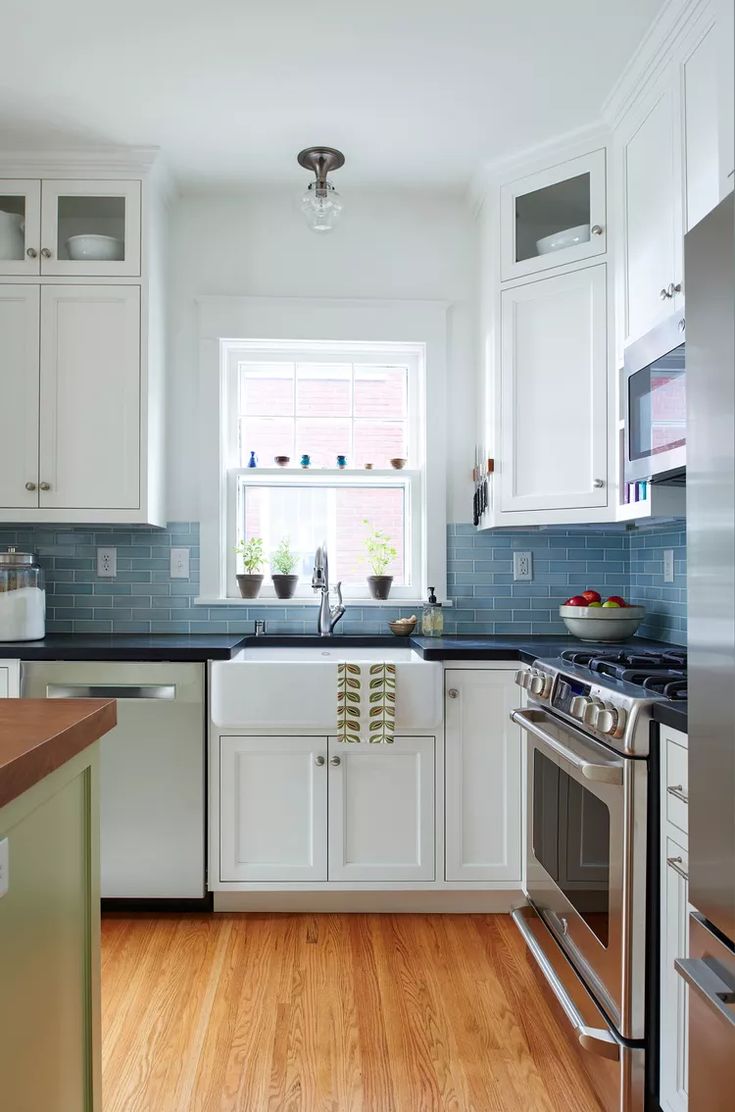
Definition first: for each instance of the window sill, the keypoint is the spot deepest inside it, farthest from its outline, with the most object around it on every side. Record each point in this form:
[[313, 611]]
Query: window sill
[[348, 602]]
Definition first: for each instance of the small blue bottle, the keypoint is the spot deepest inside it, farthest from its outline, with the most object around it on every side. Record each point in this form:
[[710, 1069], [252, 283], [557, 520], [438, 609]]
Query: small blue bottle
[[253, 461], [341, 462], [305, 461]]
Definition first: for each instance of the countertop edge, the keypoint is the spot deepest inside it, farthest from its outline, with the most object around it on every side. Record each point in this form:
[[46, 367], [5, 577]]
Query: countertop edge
[[84, 721], [671, 714]]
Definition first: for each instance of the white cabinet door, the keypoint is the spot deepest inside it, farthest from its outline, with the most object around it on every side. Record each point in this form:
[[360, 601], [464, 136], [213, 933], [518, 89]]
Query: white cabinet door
[[653, 238], [20, 226], [701, 137], [725, 29], [554, 393], [19, 348], [9, 679], [90, 228], [90, 397], [483, 776], [674, 992], [381, 810], [273, 809]]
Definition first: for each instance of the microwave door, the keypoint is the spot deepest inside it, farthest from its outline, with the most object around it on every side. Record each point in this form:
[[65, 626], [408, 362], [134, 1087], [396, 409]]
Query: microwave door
[[654, 386]]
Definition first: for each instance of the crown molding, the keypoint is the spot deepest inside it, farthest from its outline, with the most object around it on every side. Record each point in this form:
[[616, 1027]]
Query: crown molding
[[653, 54], [83, 162]]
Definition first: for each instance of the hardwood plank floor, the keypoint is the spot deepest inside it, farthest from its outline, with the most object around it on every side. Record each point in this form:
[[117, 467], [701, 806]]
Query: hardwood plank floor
[[329, 1013]]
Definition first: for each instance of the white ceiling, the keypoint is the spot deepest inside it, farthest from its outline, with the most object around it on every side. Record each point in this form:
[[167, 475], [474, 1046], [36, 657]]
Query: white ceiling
[[416, 92]]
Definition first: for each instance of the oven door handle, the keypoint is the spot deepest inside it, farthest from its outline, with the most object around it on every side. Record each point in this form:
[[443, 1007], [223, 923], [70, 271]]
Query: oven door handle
[[597, 1040], [608, 773]]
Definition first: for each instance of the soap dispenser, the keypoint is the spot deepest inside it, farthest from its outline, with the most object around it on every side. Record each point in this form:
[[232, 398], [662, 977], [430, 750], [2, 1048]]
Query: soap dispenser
[[432, 618]]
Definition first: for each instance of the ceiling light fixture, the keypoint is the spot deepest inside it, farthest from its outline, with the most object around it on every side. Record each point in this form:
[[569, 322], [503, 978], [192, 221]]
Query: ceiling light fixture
[[321, 204]]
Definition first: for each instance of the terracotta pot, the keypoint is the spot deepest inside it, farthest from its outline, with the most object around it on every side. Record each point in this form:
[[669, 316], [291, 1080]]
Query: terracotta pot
[[284, 585], [380, 585], [250, 585]]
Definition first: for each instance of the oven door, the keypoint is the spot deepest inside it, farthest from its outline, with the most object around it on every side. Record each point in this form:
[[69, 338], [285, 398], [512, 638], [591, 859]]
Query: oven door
[[586, 860]]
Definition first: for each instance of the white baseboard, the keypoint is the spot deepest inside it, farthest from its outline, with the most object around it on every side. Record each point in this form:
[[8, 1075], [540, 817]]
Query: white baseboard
[[436, 903]]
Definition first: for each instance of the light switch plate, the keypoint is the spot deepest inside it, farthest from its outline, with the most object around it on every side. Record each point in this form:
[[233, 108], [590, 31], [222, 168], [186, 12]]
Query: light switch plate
[[522, 566], [4, 867], [107, 563], [179, 563], [668, 565]]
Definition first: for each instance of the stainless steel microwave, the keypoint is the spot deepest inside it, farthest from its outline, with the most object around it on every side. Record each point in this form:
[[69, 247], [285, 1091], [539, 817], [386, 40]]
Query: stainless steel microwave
[[654, 389]]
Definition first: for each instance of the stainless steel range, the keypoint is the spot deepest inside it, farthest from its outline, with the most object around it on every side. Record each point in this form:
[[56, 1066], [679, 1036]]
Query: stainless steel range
[[589, 873]]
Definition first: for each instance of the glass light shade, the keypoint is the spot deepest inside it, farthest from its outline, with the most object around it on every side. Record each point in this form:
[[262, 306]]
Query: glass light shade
[[321, 206]]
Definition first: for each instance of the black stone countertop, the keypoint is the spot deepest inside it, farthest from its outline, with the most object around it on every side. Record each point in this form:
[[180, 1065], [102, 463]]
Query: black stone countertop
[[671, 714], [125, 646]]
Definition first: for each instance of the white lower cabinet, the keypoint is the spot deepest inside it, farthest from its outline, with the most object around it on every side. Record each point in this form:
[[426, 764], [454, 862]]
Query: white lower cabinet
[[483, 776], [674, 931], [273, 807], [381, 810], [9, 679]]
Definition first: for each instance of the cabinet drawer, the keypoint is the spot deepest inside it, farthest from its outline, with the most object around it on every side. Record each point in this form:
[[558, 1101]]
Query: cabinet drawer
[[676, 781]]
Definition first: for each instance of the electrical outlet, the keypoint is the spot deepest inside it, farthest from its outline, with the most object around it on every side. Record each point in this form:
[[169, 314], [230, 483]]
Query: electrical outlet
[[4, 867], [668, 565], [522, 565], [107, 563], [179, 563]]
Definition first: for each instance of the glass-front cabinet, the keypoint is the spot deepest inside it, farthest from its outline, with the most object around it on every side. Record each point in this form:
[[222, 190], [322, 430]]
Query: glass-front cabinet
[[554, 217], [72, 228]]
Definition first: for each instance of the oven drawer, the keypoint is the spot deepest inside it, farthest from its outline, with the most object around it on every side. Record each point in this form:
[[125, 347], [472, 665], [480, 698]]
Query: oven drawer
[[676, 778], [615, 1069]]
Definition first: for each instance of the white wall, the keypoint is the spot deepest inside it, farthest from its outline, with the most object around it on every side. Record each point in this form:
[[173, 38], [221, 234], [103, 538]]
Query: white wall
[[406, 245]]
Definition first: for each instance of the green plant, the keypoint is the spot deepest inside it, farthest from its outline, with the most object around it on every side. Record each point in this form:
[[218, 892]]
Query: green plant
[[252, 555], [284, 559], [379, 548]]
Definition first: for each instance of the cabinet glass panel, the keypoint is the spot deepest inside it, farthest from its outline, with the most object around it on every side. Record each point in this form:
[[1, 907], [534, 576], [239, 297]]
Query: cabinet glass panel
[[12, 227], [552, 218], [91, 228]]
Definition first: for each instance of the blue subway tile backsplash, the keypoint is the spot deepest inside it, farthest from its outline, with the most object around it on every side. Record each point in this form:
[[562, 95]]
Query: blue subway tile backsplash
[[485, 599]]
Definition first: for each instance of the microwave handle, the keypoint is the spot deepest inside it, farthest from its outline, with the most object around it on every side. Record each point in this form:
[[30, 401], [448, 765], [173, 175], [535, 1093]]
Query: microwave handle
[[600, 773], [596, 1040]]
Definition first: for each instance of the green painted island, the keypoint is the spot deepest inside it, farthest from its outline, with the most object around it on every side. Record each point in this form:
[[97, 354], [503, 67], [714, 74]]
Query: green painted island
[[49, 904]]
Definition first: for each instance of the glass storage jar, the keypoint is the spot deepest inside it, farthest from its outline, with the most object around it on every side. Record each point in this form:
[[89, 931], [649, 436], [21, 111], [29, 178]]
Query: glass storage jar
[[22, 597], [432, 618]]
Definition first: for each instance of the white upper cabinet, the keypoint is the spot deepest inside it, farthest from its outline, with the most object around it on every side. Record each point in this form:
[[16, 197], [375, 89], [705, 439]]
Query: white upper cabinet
[[19, 311], [701, 134], [89, 448], [554, 217], [652, 214], [725, 38], [20, 226], [554, 393]]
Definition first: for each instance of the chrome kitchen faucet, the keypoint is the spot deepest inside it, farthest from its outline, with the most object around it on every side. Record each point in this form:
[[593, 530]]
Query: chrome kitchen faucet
[[328, 615]]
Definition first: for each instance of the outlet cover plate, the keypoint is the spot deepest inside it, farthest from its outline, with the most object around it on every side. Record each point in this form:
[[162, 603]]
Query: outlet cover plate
[[106, 563], [668, 565], [522, 566], [179, 563]]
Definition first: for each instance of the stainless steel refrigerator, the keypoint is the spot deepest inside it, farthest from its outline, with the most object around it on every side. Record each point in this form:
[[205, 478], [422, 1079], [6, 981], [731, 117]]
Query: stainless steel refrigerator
[[709, 969]]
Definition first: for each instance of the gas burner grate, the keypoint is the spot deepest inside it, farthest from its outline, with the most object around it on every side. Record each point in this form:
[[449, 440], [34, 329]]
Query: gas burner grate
[[661, 672]]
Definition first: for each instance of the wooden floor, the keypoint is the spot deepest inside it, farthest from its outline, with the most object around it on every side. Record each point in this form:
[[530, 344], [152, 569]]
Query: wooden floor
[[328, 1013]]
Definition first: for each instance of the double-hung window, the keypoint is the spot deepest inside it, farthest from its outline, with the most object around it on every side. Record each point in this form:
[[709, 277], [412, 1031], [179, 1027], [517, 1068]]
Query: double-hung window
[[351, 409]]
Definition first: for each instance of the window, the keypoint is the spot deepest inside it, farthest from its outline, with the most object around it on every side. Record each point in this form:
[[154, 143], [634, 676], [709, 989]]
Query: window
[[361, 401]]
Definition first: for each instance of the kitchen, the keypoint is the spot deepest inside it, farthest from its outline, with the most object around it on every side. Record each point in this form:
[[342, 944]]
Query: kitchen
[[382, 491]]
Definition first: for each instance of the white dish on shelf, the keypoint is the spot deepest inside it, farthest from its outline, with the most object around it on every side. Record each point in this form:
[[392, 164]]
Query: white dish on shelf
[[599, 623], [95, 248], [569, 237]]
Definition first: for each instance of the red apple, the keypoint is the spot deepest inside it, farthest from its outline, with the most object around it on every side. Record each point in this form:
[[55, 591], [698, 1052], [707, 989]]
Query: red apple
[[577, 600], [591, 596], [618, 599]]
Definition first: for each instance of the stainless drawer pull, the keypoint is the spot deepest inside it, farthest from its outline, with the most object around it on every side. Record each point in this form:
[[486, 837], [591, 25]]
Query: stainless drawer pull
[[611, 773], [700, 975], [676, 863], [110, 691], [677, 790], [597, 1040]]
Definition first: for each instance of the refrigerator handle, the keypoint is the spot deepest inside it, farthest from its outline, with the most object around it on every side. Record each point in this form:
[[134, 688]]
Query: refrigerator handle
[[703, 979]]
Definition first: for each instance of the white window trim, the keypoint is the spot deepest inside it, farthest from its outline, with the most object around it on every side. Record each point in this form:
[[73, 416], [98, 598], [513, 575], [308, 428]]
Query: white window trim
[[223, 324]]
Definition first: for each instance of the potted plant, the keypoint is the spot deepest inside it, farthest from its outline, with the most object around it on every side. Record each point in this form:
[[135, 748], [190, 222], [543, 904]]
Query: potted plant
[[252, 556], [380, 554], [283, 562]]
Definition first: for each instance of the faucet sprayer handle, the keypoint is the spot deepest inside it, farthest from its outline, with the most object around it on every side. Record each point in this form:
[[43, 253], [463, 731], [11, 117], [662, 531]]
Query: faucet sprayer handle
[[338, 592]]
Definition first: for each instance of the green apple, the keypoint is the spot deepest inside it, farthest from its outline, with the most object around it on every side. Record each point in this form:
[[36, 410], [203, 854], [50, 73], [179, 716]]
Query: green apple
[[612, 604], [599, 604]]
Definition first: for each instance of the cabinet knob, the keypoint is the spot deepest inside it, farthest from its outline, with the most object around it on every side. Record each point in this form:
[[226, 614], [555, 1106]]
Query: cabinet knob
[[319, 760], [668, 291], [598, 483], [596, 229], [335, 761], [44, 486], [32, 253], [30, 486], [46, 253], [453, 693]]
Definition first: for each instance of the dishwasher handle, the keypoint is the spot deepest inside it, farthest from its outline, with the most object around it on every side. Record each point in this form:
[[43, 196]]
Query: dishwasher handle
[[111, 691]]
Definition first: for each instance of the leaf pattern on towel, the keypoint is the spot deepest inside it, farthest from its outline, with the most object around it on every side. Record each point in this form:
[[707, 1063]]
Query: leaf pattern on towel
[[349, 709], [382, 698]]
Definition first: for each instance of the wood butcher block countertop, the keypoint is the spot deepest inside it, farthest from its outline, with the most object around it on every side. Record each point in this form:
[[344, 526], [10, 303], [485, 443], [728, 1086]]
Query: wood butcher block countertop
[[37, 736]]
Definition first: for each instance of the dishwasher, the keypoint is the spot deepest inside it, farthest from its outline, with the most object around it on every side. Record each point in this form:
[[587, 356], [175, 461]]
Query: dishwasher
[[152, 771]]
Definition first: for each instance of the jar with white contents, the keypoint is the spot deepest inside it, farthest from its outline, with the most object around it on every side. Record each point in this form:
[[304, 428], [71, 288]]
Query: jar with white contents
[[22, 597]]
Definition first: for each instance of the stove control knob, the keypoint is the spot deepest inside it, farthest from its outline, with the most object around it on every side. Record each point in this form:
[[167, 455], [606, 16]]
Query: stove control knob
[[579, 705], [537, 686], [520, 677], [591, 711], [607, 719]]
